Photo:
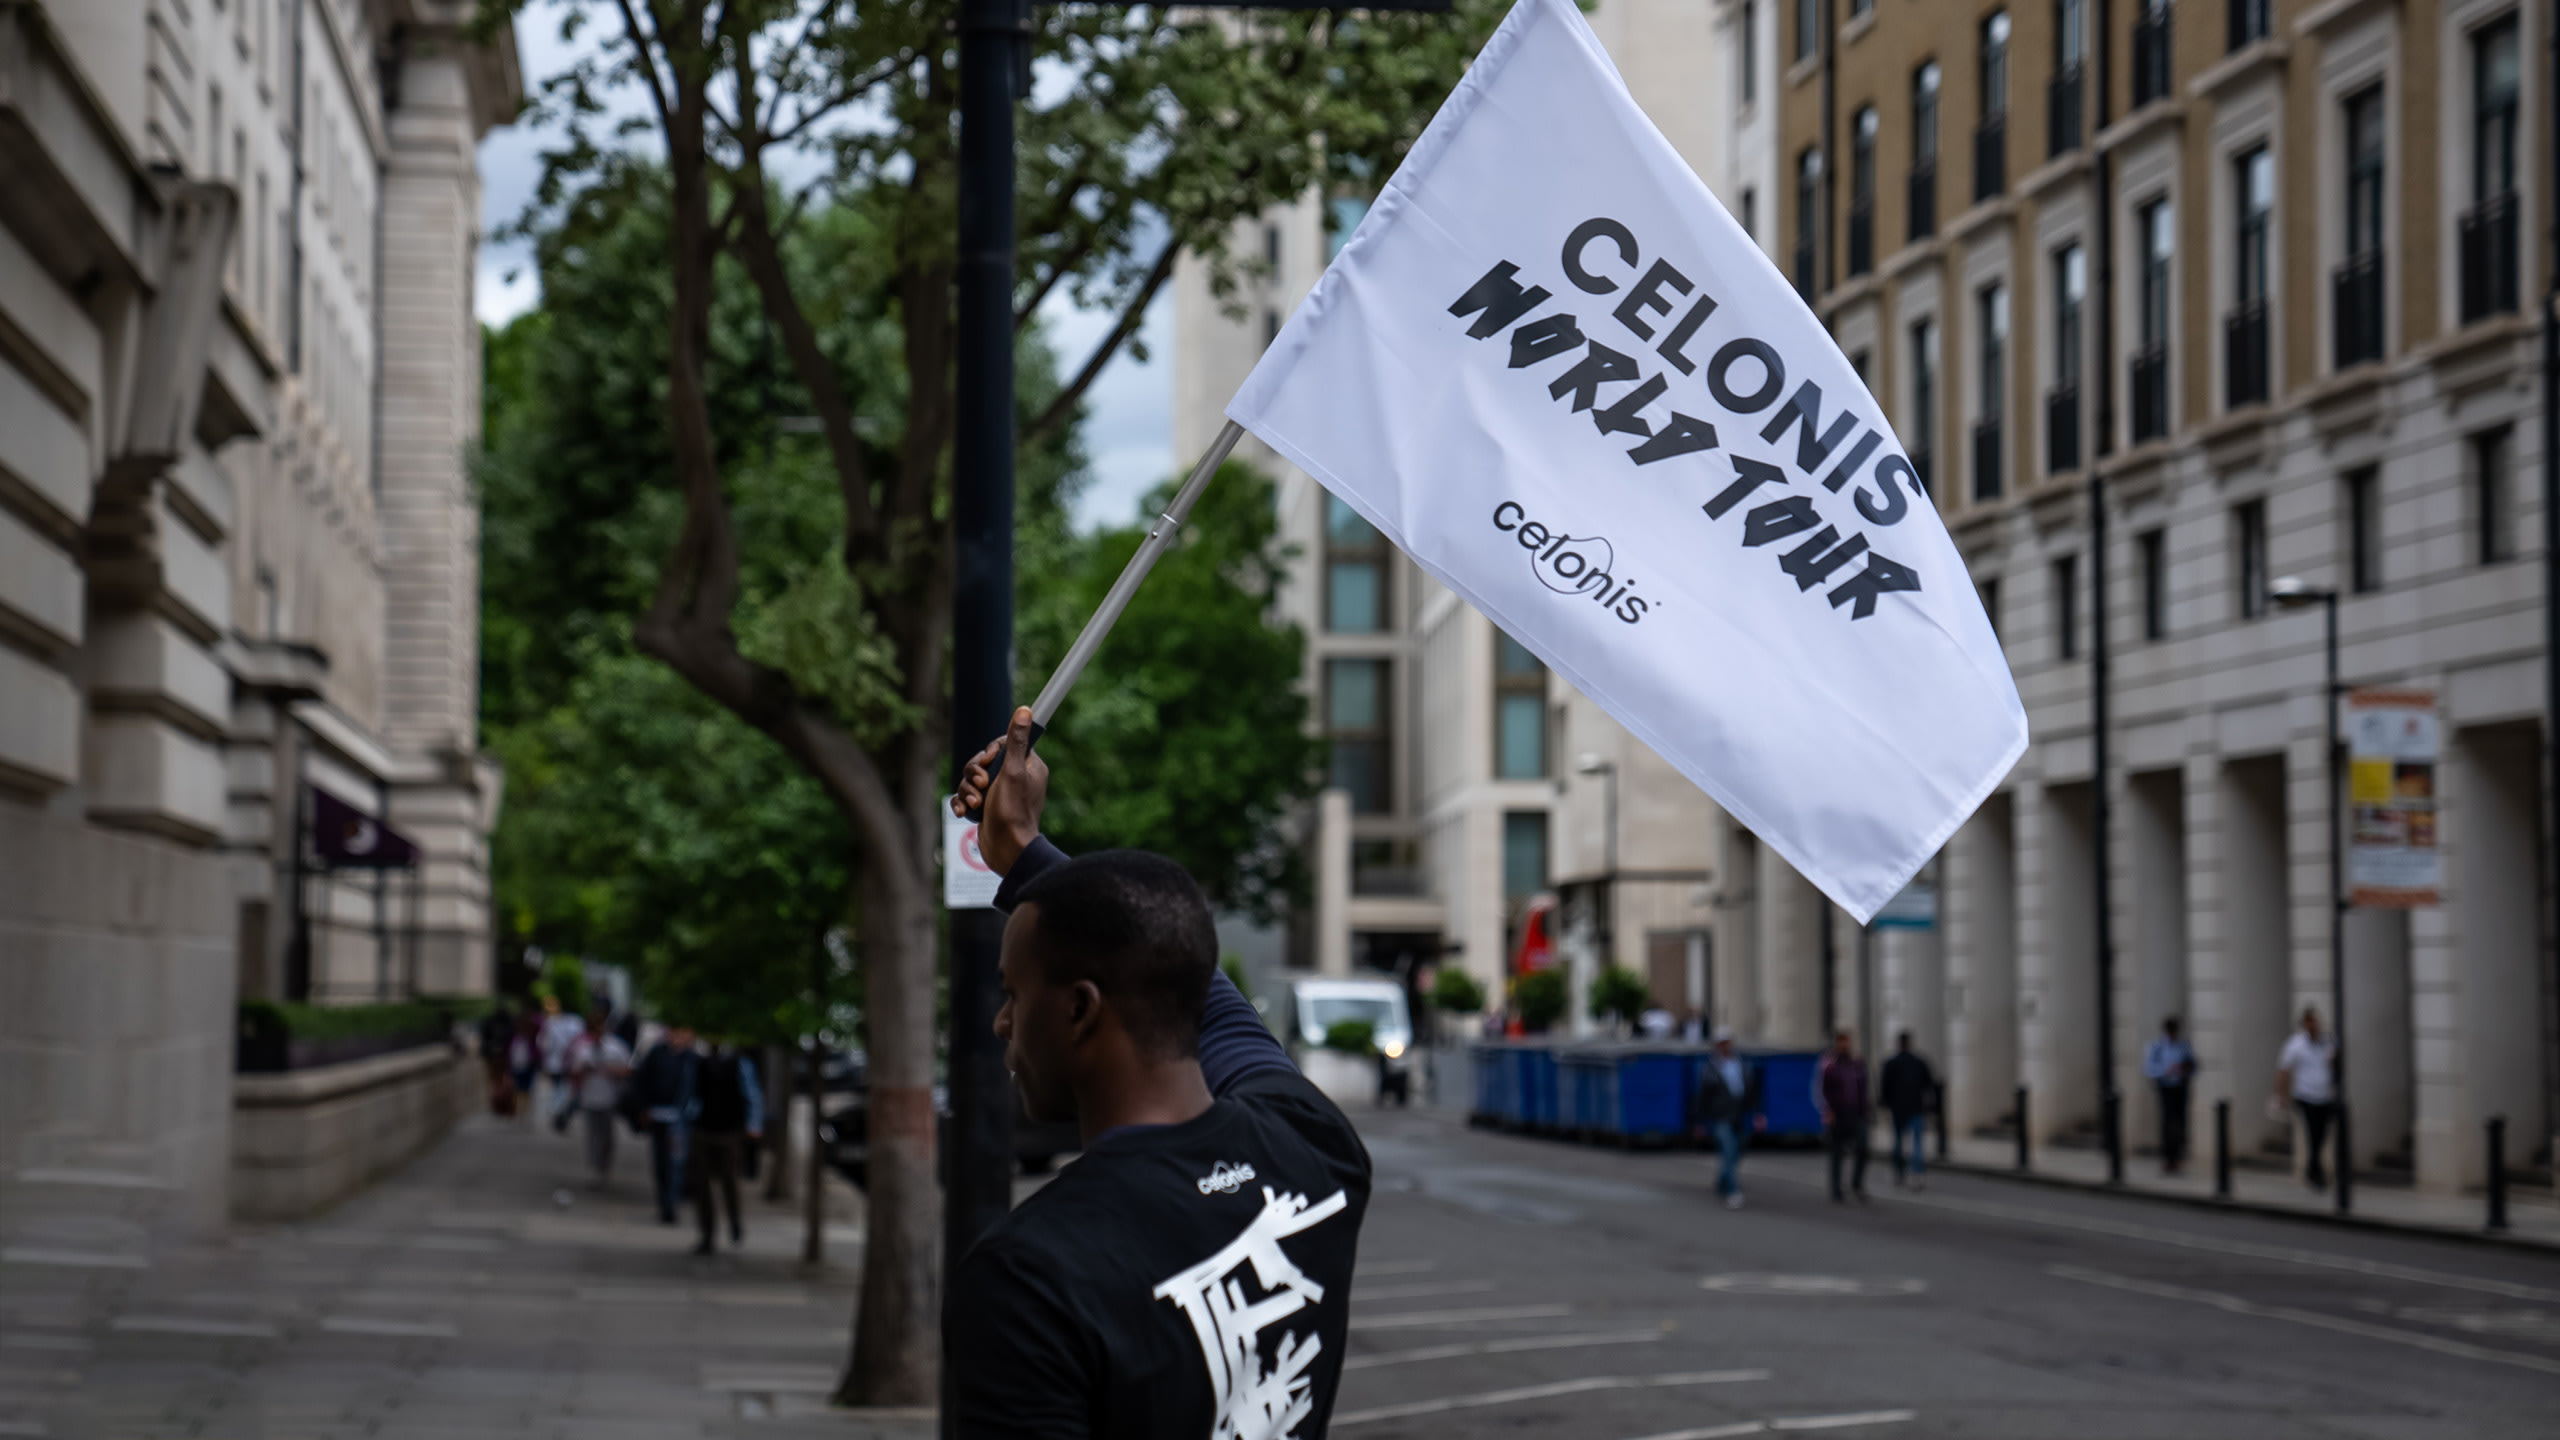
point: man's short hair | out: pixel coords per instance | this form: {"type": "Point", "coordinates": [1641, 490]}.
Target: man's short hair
{"type": "Point", "coordinates": [1136, 925]}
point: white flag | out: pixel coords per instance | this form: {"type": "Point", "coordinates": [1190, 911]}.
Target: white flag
{"type": "Point", "coordinates": [1555, 372]}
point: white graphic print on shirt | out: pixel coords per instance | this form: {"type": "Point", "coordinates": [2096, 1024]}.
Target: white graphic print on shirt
{"type": "Point", "coordinates": [1254, 1404]}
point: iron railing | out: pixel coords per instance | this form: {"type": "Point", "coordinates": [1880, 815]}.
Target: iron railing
{"type": "Point", "coordinates": [2063, 110]}
{"type": "Point", "coordinates": [2244, 356]}
{"type": "Point", "coordinates": [1924, 202]}
{"type": "Point", "coordinates": [1986, 458]}
{"type": "Point", "coordinates": [1990, 157]}
{"type": "Point", "coordinates": [1862, 239]}
{"type": "Point", "coordinates": [2150, 383]}
{"type": "Point", "coordinates": [2249, 22]}
{"type": "Point", "coordinates": [2151, 56]}
{"type": "Point", "coordinates": [1804, 267]}
{"type": "Point", "coordinates": [2355, 292]}
{"type": "Point", "coordinates": [2062, 428]}
{"type": "Point", "coordinates": [2489, 259]}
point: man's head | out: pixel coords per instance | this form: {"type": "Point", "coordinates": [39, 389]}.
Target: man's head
{"type": "Point", "coordinates": [1724, 1040]}
{"type": "Point", "coordinates": [1902, 1042]}
{"type": "Point", "coordinates": [2169, 1027]}
{"type": "Point", "coordinates": [1107, 960]}
{"type": "Point", "coordinates": [597, 1015]}
{"type": "Point", "coordinates": [2311, 1021]}
{"type": "Point", "coordinates": [679, 1036]}
{"type": "Point", "coordinates": [1840, 1043]}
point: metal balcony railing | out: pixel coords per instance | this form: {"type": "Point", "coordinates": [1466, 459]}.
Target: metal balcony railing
{"type": "Point", "coordinates": [1804, 267]}
{"type": "Point", "coordinates": [2244, 356]}
{"type": "Point", "coordinates": [1862, 239]}
{"type": "Point", "coordinates": [2150, 383]}
{"type": "Point", "coordinates": [1986, 459]}
{"type": "Point", "coordinates": [2062, 428]}
{"type": "Point", "coordinates": [2249, 21]}
{"type": "Point", "coordinates": [2151, 56]}
{"type": "Point", "coordinates": [2489, 259]}
{"type": "Point", "coordinates": [2063, 110]}
{"type": "Point", "coordinates": [2355, 295]}
{"type": "Point", "coordinates": [1924, 202]}
{"type": "Point", "coordinates": [1990, 157]}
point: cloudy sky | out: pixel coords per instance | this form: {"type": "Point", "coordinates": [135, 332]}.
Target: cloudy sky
{"type": "Point", "coordinates": [1128, 435]}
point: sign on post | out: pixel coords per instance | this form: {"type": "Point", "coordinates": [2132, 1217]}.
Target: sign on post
{"type": "Point", "coordinates": [2393, 742]}
{"type": "Point", "coordinates": [967, 882]}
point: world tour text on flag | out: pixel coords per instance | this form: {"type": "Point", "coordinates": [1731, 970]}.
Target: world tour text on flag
{"type": "Point", "coordinates": [1741, 376]}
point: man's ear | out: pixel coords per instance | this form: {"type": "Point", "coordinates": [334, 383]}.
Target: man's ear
{"type": "Point", "coordinates": [1084, 1010]}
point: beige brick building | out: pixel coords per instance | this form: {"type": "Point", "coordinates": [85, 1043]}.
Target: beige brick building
{"type": "Point", "coordinates": [239, 373]}
{"type": "Point", "coordinates": [2264, 275]}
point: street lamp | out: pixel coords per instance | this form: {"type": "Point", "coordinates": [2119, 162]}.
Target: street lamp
{"type": "Point", "coordinates": [2292, 592]}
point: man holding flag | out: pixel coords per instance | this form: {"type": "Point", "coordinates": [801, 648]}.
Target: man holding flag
{"type": "Point", "coordinates": [1551, 368]}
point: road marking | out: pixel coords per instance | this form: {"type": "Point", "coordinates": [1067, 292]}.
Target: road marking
{"type": "Point", "coordinates": [1501, 1347]}
{"type": "Point", "coordinates": [1762, 1283]}
{"type": "Point", "coordinates": [1416, 1292]}
{"type": "Point", "coordinates": [2127, 1230]}
{"type": "Point", "coordinates": [1422, 1319]}
{"type": "Point", "coordinates": [1545, 1392]}
{"type": "Point", "coordinates": [189, 1325]}
{"type": "Point", "coordinates": [23, 1427]}
{"type": "Point", "coordinates": [2237, 1306]}
{"type": "Point", "coordinates": [69, 1259]}
{"type": "Point", "coordinates": [1398, 1267]}
{"type": "Point", "coordinates": [368, 1325]}
{"type": "Point", "coordinates": [1791, 1422]}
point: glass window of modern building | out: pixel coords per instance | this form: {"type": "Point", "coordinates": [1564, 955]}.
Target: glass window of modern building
{"type": "Point", "coordinates": [1355, 571]}
{"type": "Point", "coordinates": [1520, 711]}
{"type": "Point", "coordinates": [1355, 708]}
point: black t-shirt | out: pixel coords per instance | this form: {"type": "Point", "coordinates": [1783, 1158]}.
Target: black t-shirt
{"type": "Point", "coordinates": [1183, 1281]}
{"type": "Point", "coordinates": [1179, 1281]}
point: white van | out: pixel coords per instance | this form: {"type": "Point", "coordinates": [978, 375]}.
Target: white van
{"type": "Point", "coordinates": [1316, 1004]}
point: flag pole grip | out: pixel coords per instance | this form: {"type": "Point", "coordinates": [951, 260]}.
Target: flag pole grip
{"type": "Point", "coordinates": [1123, 590]}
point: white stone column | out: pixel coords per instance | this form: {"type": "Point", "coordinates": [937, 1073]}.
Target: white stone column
{"type": "Point", "coordinates": [2152, 934]}
{"type": "Point", "coordinates": [1791, 914]}
{"type": "Point", "coordinates": [1980, 916]}
{"type": "Point", "coordinates": [1333, 882]}
{"type": "Point", "coordinates": [2057, 965]}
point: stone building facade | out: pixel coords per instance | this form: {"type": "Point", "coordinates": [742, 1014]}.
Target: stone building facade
{"type": "Point", "coordinates": [239, 374]}
{"type": "Point", "coordinates": [2266, 267]}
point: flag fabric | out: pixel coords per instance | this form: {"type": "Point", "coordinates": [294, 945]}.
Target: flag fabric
{"type": "Point", "coordinates": [1561, 378]}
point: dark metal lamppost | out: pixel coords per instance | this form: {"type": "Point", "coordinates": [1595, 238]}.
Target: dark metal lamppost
{"type": "Point", "coordinates": [2292, 592]}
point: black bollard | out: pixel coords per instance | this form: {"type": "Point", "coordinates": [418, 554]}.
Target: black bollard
{"type": "Point", "coordinates": [2022, 1127]}
{"type": "Point", "coordinates": [2110, 1133]}
{"type": "Point", "coordinates": [1941, 1107]}
{"type": "Point", "coordinates": [2222, 1149]}
{"type": "Point", "coordinates": [2497, 1172]}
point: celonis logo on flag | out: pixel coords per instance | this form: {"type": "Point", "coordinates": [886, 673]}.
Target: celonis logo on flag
{"type": "Point", "coordinates": [1546, 322]}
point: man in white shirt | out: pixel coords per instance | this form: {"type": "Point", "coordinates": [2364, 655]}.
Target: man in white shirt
{"type": "Point", "coordinates": [560, 1029]}
{"type": "Point", "coordinates": [599, 1063]}
{"type": "Point", "coordinates": [2306, 1074]}
{"type": "Point", "coordinates": [2169, 1063]}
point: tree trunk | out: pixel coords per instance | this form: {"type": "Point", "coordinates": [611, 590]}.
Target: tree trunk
{"type": "Point", "coordinates": [897, 1345]}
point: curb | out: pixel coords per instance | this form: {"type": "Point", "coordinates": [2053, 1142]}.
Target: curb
{"type": "Point", "coordinates": [2366, 1223]}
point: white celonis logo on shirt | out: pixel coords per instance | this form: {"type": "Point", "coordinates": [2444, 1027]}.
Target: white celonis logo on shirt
{"type": "Point", "coordinates": [1254, 1403]}
{"type": "Point", "coordinates": [1224, 1179]}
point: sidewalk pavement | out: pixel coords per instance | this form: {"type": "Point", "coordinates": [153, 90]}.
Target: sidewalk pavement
{"type": "Point", "coordinates": [484, 1291]}
{"type": "Point", "coordinates": [2533, 1214]}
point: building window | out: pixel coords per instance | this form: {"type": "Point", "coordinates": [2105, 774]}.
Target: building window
{"type": "Point", "coordinates": [1751, 213]}
{"type": "Point", "coordinates": [1991, 137]}
{"type": "Point", "coordinates": [1808, 216]}
{"type": "Point", "coordinates": [2493, 488]}
{"type": "Point", "coordinates": [1343, 214]}
{"type": "Point", "coordinates": [1520, 711]}
{"type": "Point", "coordinates": [1271, 247]}
{"type": "Point", "coordinates": [2364, 529]}
{"type": "Point", "coordinates": [1355, 571]}
{"type": "Point", "coordinates": [1355, 708]}
{"type": "Point", "coordinates": [2489, 285]}
{"type": "Point", "coordinates": [2357, 285]}
{"type": "Point", "coordinates": [2249, 539]}
{"type": "Point", "coordinates": [1524, 853]}
{"type": "Point", "coordinates": [2151, 53]}
{"type": "Point", "coordinates": [1860, 7]}
{"type": "Point", "coordinates": [2063, 93]}
{"type": "Point", "coordinates": [2062, 404]}
{"type": "Point", "coordinates": [1991, 316]}
{"type": "Point", "coordinates": [1862, 191]}
{"type": "Point", "coordinates": [2153, 546]}
{"type": "Point", "coordinates": [1808, 28]}
{"type": "Point", "coordinates": [1750, 86]}
{"type": "Point", "coordinates": [1924, 400]}
{"type": "Point", "coordinates": [1270, 327]}
{"type": "Point", "coordinates": [2249, 21]}
{"type": "Point", "coordinates": [1859, 363]}
{"type": "Point", "coordinates": [2244, 330]}
{"type": "Point", "coordinates": [2066, 607]}
{"type": "Point", "coordinates": [2150, 376]}
{"type": "Point", "coordinates": [1924, 152]}
{"type": "Point", "coordinates": [1989, 589]}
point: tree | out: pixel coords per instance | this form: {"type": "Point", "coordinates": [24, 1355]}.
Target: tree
{"type": "Point", "coordinates": [1152, 133]}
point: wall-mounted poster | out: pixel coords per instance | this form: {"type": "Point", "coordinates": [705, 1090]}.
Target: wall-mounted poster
{"type": "Point", "coordinates": [2392, 747]}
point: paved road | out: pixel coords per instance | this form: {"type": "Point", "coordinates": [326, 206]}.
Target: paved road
{"type": "Point", "coordinates": [1512, 1286]}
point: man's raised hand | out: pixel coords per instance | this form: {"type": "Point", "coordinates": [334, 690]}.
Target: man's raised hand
{"type": "Point", "coordinates": [1009, 805]}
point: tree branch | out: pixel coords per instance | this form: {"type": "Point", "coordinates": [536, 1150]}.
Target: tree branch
{"type": "Point", "coordinates": [642, 38]}
{"type": "Point", "coordinates": [761, 253]}
{"type": "Point", "coordinates": [1131, 316]}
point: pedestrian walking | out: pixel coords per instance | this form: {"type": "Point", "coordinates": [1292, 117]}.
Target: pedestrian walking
{"type": "Point", "coordinates": [524, 1058]}
{"type": "Point", "coordinates": [2306, 1075]}
{"type": "Point", "coordinates": [1910, 1092]}
{"type": "Point", "coordinates": [497, 1029]}
{"type": "Point", "coordinates": [599, 1066]}
{"type": "Point", "coordinates": [1191, 1274]}
{"type": "Point", "coordinates": [1840, 1093]}
{"type": "Point", "coordinates": [560, 1030]}
{"type": "Point", "coordinates": [728, 1117]}
{"type": "Point", "coordinates": [666, 1079]}
{"type": "Point", "coordinates": [1728, 1106]}
{"type": "Point", "coordinates": [2169, 1063]}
